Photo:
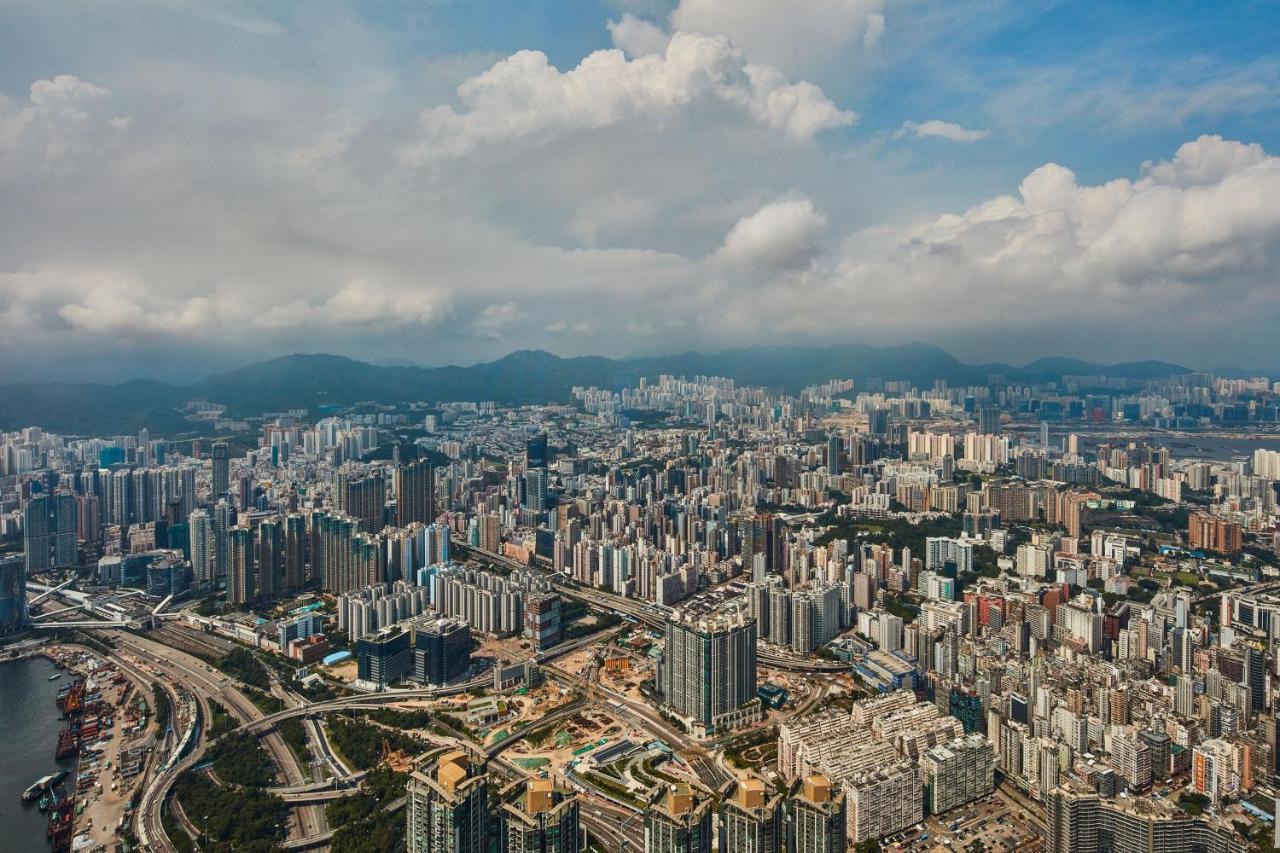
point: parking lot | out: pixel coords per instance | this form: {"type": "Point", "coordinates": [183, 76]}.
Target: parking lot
{"type": "Point", "coordinates": [989, 824]}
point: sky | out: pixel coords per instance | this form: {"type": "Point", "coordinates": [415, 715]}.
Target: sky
{"type": "Point", "coordinates": [191, 184]}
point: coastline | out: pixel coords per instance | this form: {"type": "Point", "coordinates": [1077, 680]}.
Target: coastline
{"type": "Point", "coordinates": [28, 737]}
{"type": "Point", "coordinates": [111, 724]}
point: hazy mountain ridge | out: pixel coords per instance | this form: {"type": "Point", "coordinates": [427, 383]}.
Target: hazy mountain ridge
{"type": "Point", "coordinates": [305, 380]}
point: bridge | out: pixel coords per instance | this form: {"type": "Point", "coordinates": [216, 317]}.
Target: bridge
{"type": "Point", "coordinates": [323, 839]}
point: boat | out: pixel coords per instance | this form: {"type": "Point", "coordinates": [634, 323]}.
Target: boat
{"type": "Point", "coordinates": [60, 821]}
{"type": "Point", "coordinates": [68, 744]}
{"type": "Point", "coordinates": [55, 676]}
{"type": "Point", "coordinates": [41, 785]}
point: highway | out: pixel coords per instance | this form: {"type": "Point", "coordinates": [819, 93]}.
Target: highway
{"type": "Point", "coordinates": [210, 684]}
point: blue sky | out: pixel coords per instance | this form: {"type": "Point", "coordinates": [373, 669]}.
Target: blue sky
{"type": "Point", "coordinates": [448, 181]}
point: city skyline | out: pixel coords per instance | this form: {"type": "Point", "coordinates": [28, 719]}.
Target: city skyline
{"type": "Point", "coordinates": [640, 426]}
{"type": "Point", "coordinates": [451, 183]}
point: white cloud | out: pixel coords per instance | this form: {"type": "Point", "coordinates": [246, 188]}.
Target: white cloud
{"type": "Point", "coordinates": [359, 305]}
{"type": "Point", "coordinates": [524, 96]}
{"type": "Point", "coordinates": [777, 236]}
{"type": "Point", "coordinates": [121, 306]}
{"type": "Point", "coordinates": [64, 116]}
{"type": "Point", "coordinates": [1200, 230]}
{"type": "Point", "coordinates": [638, 37]}
{"type": "Point", "coordinates": [942, 130]}
{"type": "Point", "coordinates": [492, 322]}
{"type": "Point", "coordinates": [797, 36]}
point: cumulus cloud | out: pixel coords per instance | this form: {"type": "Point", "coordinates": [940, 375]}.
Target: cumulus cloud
{"type": "Point", "coordinates": [637, 37]}
{"type": "Point", "coordinates": [942, 130]}
{"type": "Point", "coordinates": [777, 236]}
{"type": "Point", "coordinates": [493, 320]}
{"type": "Point", "coordinates": [524, 96]}
{"type": "Point", "coordinates": [358, 305]}
{"type": "Point", "coordinates": [123, 306]}
{"type": "Point", "coordinates": [1199, 230]}
{"type": "Point", "coordinates": [63, 116]}
{"type": "Point", "coordinates": [799, 37]}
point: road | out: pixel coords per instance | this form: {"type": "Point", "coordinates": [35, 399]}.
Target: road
{"type": "Point", "coordinates": [209, 684]}
{"type": "Point", "coordinates": [703, 763]}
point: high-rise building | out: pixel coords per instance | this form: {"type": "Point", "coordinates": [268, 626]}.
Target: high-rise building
{"type": "Point", "coordinates": [539, 817]}
{"type": "Point", "coordinates": [535, 451]}
{"type": "Point", "coordinates": [295, 550]}
{"type": "Point", "coordinates": [384, 658]}
{"type": "Point", "coordinates": [884, 799]}
{"type": "Point", "coordinates": [441, 650]}
{"type": "Point", "coordinates": [751, 817]}
{"type": "Point", "coordinates": [1081, 822]}
{"type": "Point", "coordinates": [200, 535]}
{"type": "Point", "coordinates": [708, 671]}
{"type": "Point", "coordinates": [363, 498]}
{"type": "Point", "coordinates": [958, 772]}
{"type": "Point", "coordinates": [221, 458]}
{"type": "Point", "coordinates": [1132, 760]}
{"type": "Point", "coordinates": [447, 809]}
{"type": "Point", "coordinates": [834, 453]}
{"type": "Point", "coordinates": [535, 490]}
{"type": "Point", "coordinates": [270, 559]}
{"type": "Point", "coordinates": [415, 493]}
{"type": "Point", "coordinates": [50, 532]}
{"type": "Point", "coordinates": [13, 594]}
{"type": "Point", "coordinates": [678, 820]}
{"type": "Point", "coordinates": [1213, 533]}
{"type": "Point", "coordinates": [989, 420]}
{"type": "Point", "coordinates": [542, 623]}
{"type": "Point", "coordinates": [815, 817]}
{"type": "Point", "coordinates": [241, 567]}
{"type": "Point", "coordinates": [224, 519]}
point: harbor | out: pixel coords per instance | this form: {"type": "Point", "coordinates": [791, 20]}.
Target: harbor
{"type": "Point", "coordinates": [93, 738]}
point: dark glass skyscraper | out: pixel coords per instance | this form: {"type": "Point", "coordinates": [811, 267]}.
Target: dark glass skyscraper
{"type": "Point", "coordinates": [49, 532]}
{"type": "Point", "coordinates": [13, 594]}
{"type": "Point", "coordinates": [535, 451]}
{"type": "Point", "coordinates": [221, 469]}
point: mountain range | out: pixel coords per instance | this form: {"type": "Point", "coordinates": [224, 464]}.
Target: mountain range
{"type": "Point", "coordinates": [526, 376]}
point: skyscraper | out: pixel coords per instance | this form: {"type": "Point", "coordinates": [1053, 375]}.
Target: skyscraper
{"type": "Point", "coordinates": [49, 532]}
{"type": "Point", "coordinates": [678, 820]}
{"type": "Point", "coordinates": [270, 559]}
{"type": "Point", "coordinates": [202, 545]}
{"type": "Point", "coordinates": [221, 469]}
{"type": "Point", "coordinates": [708, 671]}
{"type": "Point", "coordinates": [833, 453]}
{"type": "Point", "coordinates": [415, 493]}
{"type": "Point", "coordinates": [13, 594]}
{"type": "Point", "coordinates": [535, 490]}
{"type": "Point", "coordinates": [751, 818]}
{"type": "Point", "coordinates": [539, 817]}
{"type": "Point", "coordinates": [815, 816]}
{"type": "Point", "coordinates": [295, 547]}
{"type": "Point", "coordinates": [535, 451]}
{"type": "Point", "coordinates": [224, 518]}
{"type": "Point", "coordinates": [989, 420]}
{"type": "Point", "coordinates": [441, 650]}
{"type": "Point", "coordinates": [240, 566]}
{"type": "Point", "coordinates": [447, 809]}
{"type": "Point", "coordinates": [362, 498]}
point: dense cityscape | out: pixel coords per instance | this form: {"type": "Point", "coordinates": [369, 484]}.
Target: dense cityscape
{"type": "Point", "coordinates": [680, 616]}
{"type": "Point", "coordinates": [639, 426]}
